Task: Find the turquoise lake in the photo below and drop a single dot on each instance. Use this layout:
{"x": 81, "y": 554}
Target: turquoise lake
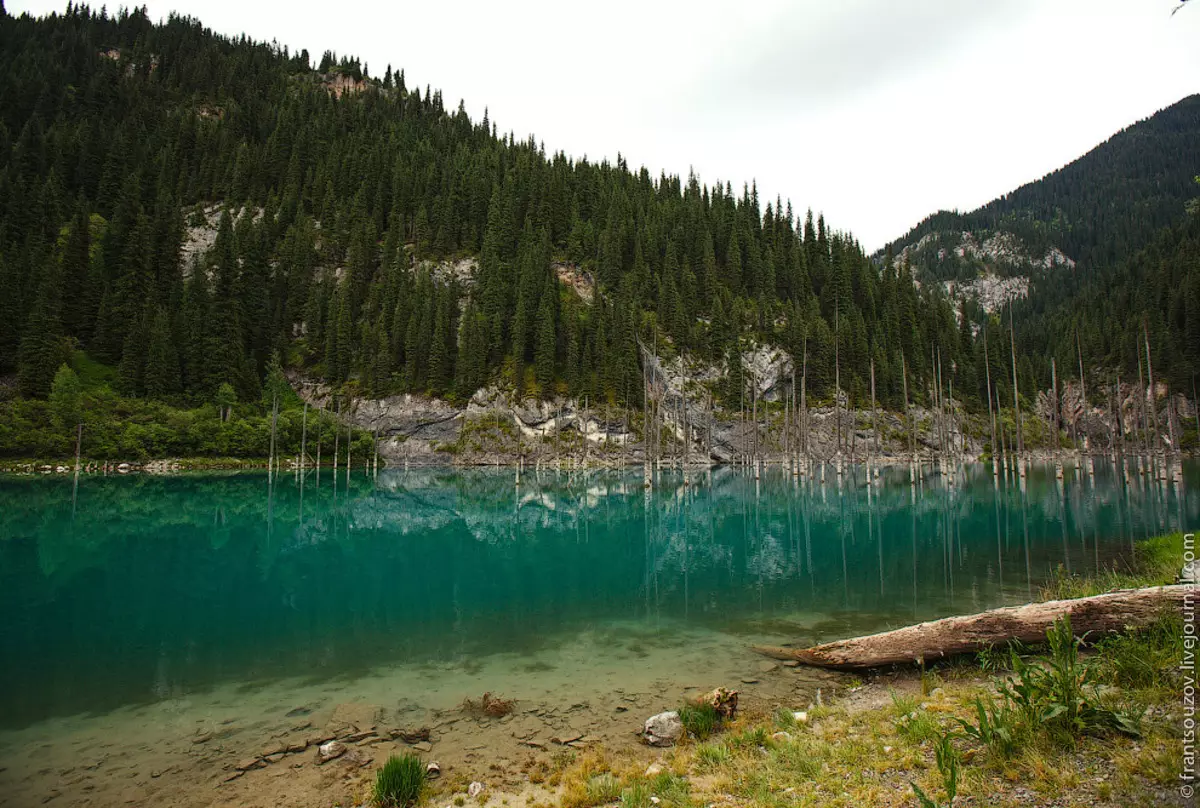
{"x": 125, "y": 591}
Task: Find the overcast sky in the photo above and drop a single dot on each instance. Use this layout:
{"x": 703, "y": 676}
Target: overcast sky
{"x": 877, "y": 112}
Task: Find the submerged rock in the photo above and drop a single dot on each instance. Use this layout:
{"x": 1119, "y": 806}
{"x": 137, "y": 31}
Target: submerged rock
{"x": 663, "y": 729}
{"x": 329, "y": 751}
{"x": 433, "y": 770}
{"x": 475, "y": 789}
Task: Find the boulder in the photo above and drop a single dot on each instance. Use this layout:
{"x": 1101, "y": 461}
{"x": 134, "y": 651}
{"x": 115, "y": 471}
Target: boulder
{"x": 663, "y": 729}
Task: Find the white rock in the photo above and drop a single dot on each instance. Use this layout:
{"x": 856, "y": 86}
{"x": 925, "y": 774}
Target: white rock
{"x": 663, "y": 729}
{"x": 433, "y": 770}
{"x": 801, "y": 716}
{"x": 654, "y": 769}
{"x": 329, "y": 751}
{"x": 475, "y": 789}
{"x": 782, "y": 737}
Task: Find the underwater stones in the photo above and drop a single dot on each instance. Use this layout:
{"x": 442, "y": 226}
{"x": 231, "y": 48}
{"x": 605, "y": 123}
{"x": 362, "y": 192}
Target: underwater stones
{"x": 663, "y": 729}
{"x": 782, "y": 737}
{"x": 202, "y": 737}
{"x": 475, "y": 789}
{"x": 247, "y": 764}
{"x": 654, "y": 769}
{"x": 767, "y": 667}
{"x": 330, "y": 751}
{"x": 433, "y": 770}
{"x": 791, "y": 663}
{"x": 411, "y": 736}
{"x": 423, "y": 746}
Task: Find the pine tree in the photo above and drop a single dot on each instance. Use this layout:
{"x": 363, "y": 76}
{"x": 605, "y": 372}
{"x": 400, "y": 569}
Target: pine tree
{"x": 42, "y": 349}
{"x": 546, "y": 346}
{"x": 162, "y": 377}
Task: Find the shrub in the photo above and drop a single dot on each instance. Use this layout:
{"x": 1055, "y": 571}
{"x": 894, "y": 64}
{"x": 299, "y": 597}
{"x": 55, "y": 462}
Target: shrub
{"x": 400, "y": 782}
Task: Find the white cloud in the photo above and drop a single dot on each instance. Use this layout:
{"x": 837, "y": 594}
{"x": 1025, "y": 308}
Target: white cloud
{"x": 876, "y": 112}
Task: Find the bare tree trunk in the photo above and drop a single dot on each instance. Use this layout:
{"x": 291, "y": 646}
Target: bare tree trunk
{"x": 1012, "y": 335}
{"x": 1054, "y": 414}
{"x": 1095, "y": 616}
{"x": 1082, "y": 392}
{"x": 874, "y": 411}
{"x": 274, "y": 420}
{"x": 1153, "y": 392}
{"x": 303, "y": 437}
{"x": 912, "y": 427}
{"x": 987, "y": 367}
{"x": 337, "y": 438}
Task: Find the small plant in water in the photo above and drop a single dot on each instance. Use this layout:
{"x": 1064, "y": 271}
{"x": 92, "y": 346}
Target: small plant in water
{"x": 400, "y": 782}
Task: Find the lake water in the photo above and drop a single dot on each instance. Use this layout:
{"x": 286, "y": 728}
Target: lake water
{"x": 184, "y": 600}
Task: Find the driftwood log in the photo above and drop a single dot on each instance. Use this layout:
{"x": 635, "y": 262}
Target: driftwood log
{"x": 1100, "y": 614}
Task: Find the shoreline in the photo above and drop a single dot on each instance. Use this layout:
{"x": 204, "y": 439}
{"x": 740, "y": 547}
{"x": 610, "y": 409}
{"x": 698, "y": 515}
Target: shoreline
{"x": 170, "y": 465}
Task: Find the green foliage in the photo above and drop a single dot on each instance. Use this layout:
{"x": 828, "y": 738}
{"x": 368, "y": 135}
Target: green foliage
{"x": 64, "y": 399}
{"x": 1058, "y": 696}
{"x": 699, "y": 720}
{"x": 121, "y": 428}
{"x": 997, "y": 727}
{"x": 948, "y": 759}
{"x": 1146, "y": 658}
{"x": 401, "y": 782}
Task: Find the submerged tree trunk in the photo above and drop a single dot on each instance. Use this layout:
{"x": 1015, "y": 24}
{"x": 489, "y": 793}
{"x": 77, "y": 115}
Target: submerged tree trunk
{"x": 1113, "y": 611}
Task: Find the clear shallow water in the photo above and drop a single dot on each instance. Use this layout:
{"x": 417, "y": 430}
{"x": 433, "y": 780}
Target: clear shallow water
{"x": 133, "y": 590}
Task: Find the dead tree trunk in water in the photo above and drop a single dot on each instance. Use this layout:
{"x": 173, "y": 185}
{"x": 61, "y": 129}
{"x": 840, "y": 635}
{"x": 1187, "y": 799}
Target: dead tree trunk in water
{"x": 1012, "y": 336}
{"x": 1098, "y": 615}
{"x": 1153, "y": 392}
{"x": 987, "y": 366}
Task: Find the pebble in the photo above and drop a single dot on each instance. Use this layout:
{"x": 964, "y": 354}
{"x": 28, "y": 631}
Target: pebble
{"x": 475, "y": 789}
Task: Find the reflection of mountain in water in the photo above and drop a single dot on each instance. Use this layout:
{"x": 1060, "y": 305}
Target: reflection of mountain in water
{"x": 186, "y": 581}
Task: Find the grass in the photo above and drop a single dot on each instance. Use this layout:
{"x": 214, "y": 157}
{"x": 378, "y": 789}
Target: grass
{"x": 1156, "y": 561}
{"x": 401, "y": 782}
{"x": 700, "y": 720}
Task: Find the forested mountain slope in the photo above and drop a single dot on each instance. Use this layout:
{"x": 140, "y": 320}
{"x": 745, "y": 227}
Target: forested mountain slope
{"x": 333, "y": 187}
{"x": 1095, "y": 211}
{"x": 1093, "y": 257}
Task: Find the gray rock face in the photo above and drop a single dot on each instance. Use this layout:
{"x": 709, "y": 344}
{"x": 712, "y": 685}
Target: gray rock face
{"x": 663, "y": 729}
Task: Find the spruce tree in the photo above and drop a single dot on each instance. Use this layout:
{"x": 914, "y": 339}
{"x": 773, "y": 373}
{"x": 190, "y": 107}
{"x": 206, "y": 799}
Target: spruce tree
{"x": 162, "y": 377}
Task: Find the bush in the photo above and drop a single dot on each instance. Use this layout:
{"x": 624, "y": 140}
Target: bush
{"x": 400, "y": 782}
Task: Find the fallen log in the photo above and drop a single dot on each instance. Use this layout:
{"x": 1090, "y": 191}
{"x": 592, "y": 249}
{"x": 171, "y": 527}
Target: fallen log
{"x": 1099, "y": 614}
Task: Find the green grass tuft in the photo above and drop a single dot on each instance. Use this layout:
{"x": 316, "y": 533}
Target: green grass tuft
{"x": 401, "y": 782}
{"x": 700, "y": 720}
